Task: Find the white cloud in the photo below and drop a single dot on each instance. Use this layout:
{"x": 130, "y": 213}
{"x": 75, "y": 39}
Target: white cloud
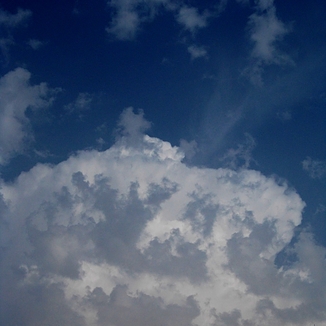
{"x": 188, "y": 148}
{"x": 315, "y": 168}
{"x": 266, "y": 31}
{"x": 197, "y": 51}
{"x": 132, "y": 125}
{"x": 191, "y": 19}
{"x": 16, "y": 96}
{"x": 125, "y": 25}
{"x": 130, "y": 15}
{"x": 133, "y": 236}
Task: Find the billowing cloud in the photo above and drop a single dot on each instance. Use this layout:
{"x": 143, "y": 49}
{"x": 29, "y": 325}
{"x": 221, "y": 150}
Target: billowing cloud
{"x": 315, "y": 168}
{"x": 16, "y": 96}
{"x": 133, "y": 236}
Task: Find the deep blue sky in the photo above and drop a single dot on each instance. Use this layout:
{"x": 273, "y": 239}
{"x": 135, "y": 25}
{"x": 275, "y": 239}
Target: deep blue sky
{"x": 241, "y": 83}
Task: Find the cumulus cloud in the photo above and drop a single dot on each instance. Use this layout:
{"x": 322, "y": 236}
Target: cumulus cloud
{"x": 316, "y": 169}
{"x": 132, "y": 126}
{"x": 188, "y": 148}
{"x": 16, "y": 96}
{"x": 133, "y": 236}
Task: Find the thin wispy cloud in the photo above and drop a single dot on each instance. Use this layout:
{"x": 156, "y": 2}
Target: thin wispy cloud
{"x": 9, "y": 22}
{"x": 81, "y": 104}
{"x": 35, "y": 44}
{"x": 316, "y": 169}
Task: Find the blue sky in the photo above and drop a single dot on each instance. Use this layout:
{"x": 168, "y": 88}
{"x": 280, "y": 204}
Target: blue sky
{"x": 163, "y": 162}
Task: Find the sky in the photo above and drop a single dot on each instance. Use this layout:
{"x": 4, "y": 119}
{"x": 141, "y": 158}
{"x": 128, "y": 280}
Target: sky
{"x": 162, "y": 162}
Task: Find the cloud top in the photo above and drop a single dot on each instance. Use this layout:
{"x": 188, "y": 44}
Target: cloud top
{"x": 106, "y": 235}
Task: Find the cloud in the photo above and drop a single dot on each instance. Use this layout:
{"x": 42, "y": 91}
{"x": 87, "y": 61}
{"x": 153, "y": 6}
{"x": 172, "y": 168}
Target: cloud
{"x": 132, "y": 125}
{"x": 284, "y": 115}
{"x": 266, "y": 31}
{"x": 188, "y": 148}
{"x": 80, "y": 105}
{"x": 191, "y": 19}
{"x": 8, "y": 22}
{"x": 125, "y": 25}
{"x": 197, "y": 51}
{"x": 132, "y": 235}
{"x": 121, "y": 309}
{"x": 316, "y": 169}
{"x": 17, "y": 95}
{"x": 35, "y": 44}
{"x": 241, "y": 157}
{"x": 13, "y": 20}
{"x": 129, "y": 15}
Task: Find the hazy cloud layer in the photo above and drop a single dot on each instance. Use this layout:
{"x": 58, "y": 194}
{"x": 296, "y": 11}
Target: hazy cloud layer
{"x": 133, "y": 236}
